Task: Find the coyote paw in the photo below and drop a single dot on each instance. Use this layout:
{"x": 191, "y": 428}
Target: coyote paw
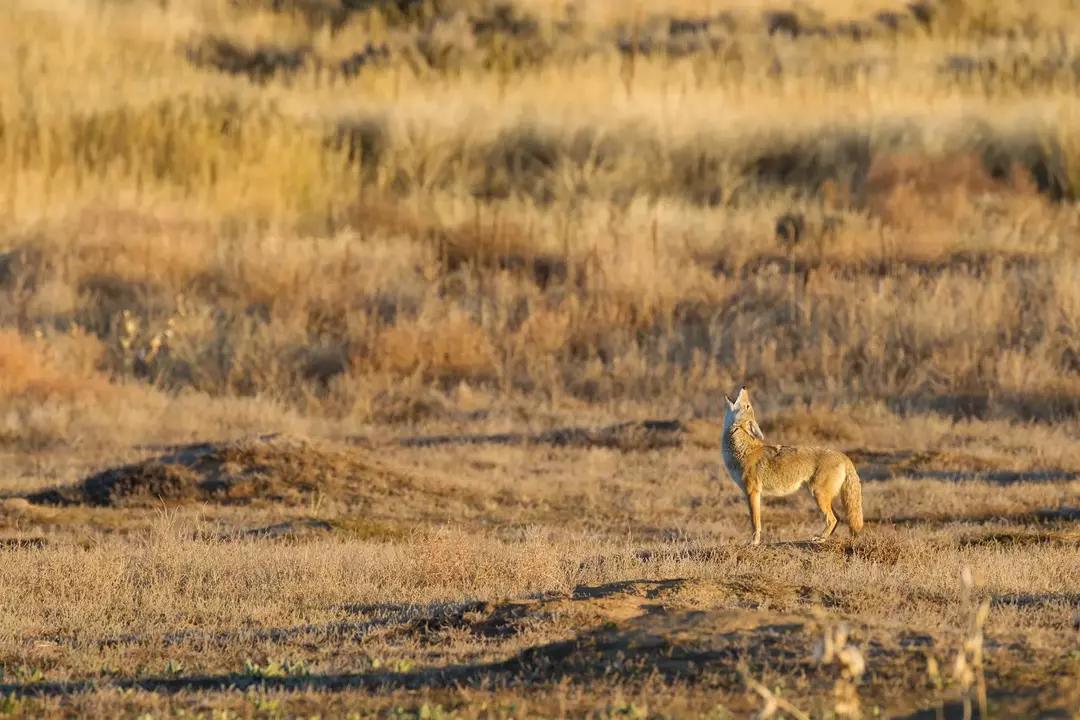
{"x": 753, "y": 543}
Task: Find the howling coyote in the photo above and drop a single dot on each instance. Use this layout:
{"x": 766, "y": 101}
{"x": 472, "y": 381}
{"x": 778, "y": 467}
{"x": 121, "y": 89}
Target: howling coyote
{"x": 759, "y": 469}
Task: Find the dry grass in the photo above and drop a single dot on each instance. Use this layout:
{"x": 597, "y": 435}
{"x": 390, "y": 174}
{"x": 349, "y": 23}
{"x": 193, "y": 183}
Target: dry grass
{"x": 436, "y": 246}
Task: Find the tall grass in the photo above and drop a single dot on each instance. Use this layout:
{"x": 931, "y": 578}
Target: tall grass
{"x": 574, "y": 232}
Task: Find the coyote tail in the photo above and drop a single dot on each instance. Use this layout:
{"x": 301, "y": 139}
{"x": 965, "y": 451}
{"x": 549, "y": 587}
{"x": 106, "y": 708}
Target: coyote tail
{"x": 851, "y": 491}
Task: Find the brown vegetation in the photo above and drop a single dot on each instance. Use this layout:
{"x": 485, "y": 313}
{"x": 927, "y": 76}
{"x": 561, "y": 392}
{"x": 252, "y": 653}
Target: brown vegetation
{"x": 367, "y": 356}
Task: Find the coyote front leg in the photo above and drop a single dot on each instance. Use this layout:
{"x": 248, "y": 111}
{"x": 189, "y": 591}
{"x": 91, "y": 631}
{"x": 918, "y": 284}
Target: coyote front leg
{"x": 753, "y": 500}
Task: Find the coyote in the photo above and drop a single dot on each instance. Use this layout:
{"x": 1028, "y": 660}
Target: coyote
{"x": 759, "y": 469}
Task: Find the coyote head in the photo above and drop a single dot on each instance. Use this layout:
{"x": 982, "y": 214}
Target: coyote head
{"x": 740, "y": 414}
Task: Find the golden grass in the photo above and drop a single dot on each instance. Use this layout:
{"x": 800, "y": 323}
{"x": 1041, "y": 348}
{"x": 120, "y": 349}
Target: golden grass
{"x": 186, "y": 600}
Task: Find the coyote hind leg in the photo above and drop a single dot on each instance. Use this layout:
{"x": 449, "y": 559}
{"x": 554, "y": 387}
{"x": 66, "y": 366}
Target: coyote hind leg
{"x": 824, "y": 503}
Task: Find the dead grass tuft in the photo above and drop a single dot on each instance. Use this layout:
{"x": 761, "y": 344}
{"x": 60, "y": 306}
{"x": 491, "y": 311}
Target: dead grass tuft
{"x": 51, "y": 391}
{"x": 885, "y": 547}
{"x": 454, "y": 347}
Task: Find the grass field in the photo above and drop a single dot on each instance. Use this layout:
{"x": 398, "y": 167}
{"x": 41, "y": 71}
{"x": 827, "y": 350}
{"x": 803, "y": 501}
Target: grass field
{"x": 367, "y": 358}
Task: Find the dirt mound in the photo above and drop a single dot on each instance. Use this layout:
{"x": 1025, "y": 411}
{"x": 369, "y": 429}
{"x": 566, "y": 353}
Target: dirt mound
{"x": 270, "y": 468}
{"x": 709, "y": 633}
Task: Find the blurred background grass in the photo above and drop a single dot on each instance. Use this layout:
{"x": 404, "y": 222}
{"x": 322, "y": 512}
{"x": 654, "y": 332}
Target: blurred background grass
{"x": 391, "y": 211}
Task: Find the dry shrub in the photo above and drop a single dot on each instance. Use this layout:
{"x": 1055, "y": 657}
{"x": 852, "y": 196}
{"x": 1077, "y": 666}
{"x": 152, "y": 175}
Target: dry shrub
{"x": 491, "y": 239}
{"x": 452, "y": 345}
{"x": 917, "y": 192}
{"x": 129, "y": 244}
{"x": 276, "y": 301}
{"x": 53, "y": 391}
{"x": 884, "y": 546}
{"x": 32, "y": 371}
{"x": 545, "y": 332}
{"x": 995, "y": 18}
{"x": 380, "y": 214}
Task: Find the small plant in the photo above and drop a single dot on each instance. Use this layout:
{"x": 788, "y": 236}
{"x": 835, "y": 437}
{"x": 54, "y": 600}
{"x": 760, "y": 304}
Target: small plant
{"x": 427, "y": 711}
{"x": 399, "y": 666}
{"x": 264, "y": 706}
{"x": 773, "y": 703}
{"x": 276, "y": 669}
{"x": 27, "y": 674}
{"x": 11, "y": 705}
{"x": 967, "y": 668}
{"x": 174, "y": 668}
{"x": 833, "y": 648}
{"x": 629, "y": 710}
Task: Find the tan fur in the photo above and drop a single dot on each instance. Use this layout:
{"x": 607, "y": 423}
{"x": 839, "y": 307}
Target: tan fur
{"x": 762, "y": 470}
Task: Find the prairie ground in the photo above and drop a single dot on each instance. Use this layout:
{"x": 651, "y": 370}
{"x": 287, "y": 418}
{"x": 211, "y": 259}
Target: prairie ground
{"x": 367, "y": 357}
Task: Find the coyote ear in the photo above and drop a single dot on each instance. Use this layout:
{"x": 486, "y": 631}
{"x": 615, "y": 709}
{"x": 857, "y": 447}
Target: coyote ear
{"x": 730, "y": 405}
{"x": 755, "y": 430}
